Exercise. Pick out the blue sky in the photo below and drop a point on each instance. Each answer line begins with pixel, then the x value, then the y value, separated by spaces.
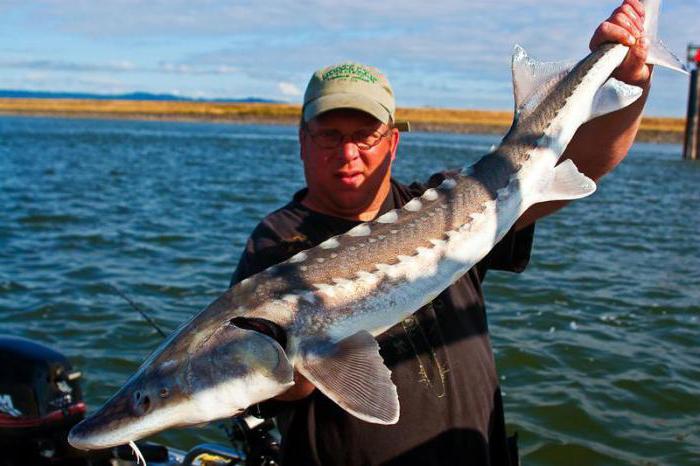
pixel 452 53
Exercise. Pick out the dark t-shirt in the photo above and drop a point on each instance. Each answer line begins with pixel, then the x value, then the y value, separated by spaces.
pixel 440 359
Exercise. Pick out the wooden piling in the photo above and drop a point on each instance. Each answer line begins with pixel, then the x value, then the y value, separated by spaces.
pixel 691 148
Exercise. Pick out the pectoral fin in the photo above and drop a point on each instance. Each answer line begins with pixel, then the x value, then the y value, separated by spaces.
pixel 568 183
pixel 612 96
pixel 353 375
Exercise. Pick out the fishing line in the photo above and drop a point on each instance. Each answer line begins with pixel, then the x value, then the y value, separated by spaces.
pixel 150 321
pixel 137 453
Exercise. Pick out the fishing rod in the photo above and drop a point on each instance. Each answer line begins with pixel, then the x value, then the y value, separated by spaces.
pixel 138 309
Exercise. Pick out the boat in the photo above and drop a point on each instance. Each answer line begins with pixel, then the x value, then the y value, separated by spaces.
pixel 41 399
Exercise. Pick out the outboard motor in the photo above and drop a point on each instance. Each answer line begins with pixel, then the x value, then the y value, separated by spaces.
pixel 40 400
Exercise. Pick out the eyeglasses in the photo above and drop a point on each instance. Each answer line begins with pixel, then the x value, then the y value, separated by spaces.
pixel 364 139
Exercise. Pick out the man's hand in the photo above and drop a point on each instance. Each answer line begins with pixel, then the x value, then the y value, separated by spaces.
pixel 301 389
pixel 626 26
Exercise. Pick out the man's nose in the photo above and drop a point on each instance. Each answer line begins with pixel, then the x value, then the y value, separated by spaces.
pixel 348 151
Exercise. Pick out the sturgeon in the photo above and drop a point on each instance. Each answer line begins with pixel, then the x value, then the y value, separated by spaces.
pixel 330 301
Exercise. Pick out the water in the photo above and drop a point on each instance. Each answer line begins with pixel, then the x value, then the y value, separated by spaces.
pixel 596 344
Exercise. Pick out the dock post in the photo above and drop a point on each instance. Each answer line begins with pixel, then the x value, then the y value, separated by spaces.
pixel 691 148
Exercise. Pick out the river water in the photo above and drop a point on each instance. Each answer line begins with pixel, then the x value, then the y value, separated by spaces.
pixel 596 343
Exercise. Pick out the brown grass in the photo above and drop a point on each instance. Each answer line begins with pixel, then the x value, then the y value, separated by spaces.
pixel 422 119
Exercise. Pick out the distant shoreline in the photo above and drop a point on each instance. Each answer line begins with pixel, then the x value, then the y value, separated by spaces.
pixel 653 129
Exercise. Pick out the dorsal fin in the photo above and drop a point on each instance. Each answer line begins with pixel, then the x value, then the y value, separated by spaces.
pixel 533 80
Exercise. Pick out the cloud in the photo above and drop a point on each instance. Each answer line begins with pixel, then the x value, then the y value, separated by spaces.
pixel 43 81
pixel 289 89
pixel 448 53
pixel 59 65
pixel 225 18
pixel 191 69
pixel 116 67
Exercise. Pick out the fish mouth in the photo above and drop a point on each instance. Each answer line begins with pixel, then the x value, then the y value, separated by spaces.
pixel 96 433
pixel 81 438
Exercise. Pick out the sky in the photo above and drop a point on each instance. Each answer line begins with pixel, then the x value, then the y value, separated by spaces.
pixel 451 53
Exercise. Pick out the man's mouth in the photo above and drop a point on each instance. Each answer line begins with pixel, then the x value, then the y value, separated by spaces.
pixel 349 178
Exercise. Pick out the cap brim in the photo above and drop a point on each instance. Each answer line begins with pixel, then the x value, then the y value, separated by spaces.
pixel 346 100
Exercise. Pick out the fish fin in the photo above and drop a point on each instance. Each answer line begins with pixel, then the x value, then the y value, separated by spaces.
pixel 533 80
pixel 612 96
pixel 568 183
pixel 658 54
pixel 353 375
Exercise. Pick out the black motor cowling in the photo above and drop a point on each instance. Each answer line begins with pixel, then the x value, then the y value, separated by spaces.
pixel 40 400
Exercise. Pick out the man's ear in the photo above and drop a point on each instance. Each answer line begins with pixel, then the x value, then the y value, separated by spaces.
pixel 302 141
pixel 395 137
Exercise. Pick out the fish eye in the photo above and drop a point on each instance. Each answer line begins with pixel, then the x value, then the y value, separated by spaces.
pixel 164 392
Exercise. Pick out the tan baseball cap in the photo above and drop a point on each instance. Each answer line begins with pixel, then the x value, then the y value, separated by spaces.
pixel 350 85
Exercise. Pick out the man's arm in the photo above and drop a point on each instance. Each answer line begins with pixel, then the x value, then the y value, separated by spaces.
pixel 601 144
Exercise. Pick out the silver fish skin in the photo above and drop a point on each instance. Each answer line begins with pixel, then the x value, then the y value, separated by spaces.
pixel 329 301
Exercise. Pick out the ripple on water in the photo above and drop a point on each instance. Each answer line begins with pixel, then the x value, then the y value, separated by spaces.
pixel 9 286
pixel 48 219
pixel 165 239
pixel 87 272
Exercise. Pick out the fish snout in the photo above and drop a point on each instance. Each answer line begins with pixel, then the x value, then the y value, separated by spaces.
pixel 75 437
pixel 83 436
pixel 104 428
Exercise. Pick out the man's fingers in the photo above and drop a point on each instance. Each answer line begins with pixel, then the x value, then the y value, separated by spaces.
pixel 638 53
pixel 610 32
pixel 638 8
pixel 634 69
pixel 635 61
pixel 301 389
pixel 626 26
pixel 633 16
pixel 623 20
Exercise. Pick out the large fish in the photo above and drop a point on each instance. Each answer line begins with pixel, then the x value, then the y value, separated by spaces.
pixel 318 311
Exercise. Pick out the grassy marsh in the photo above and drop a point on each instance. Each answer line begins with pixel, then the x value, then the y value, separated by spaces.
pixel 655 129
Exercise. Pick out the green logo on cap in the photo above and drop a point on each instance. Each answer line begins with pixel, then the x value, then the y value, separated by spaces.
pixel 350 72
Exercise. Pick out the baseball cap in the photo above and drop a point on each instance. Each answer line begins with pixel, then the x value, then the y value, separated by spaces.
pixel 350 85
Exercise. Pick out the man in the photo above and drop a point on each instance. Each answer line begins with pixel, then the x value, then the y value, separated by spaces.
pixel 440 358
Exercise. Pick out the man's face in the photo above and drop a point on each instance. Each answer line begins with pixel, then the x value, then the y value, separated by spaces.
pixel 346 178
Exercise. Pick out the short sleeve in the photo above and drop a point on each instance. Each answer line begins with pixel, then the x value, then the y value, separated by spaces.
pixel 416 188
pixel 262 250
pixel 274 240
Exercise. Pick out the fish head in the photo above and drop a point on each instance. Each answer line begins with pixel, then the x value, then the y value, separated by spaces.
pixel 194 378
